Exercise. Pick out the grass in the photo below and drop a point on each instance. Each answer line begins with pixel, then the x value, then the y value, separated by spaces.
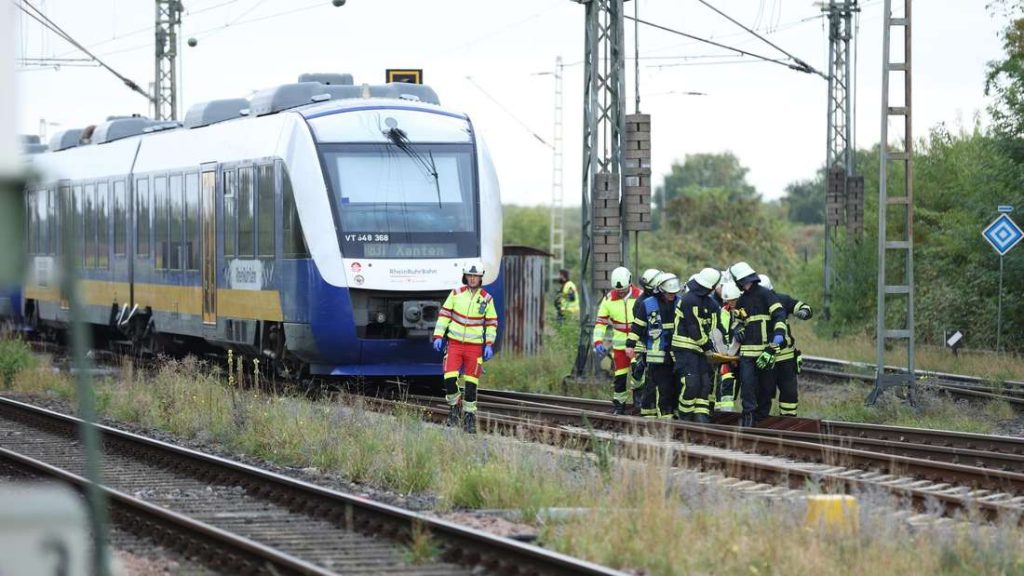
pixel 15 357
pixel 992 366
pixel 642 516
pixel 845 402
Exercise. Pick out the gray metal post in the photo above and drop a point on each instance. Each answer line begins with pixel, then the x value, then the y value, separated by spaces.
pixel 165 88
pixel 603 123
pixel 904 244
pixel 999 309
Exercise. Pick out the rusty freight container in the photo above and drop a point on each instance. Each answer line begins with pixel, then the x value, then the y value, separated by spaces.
pixel 524 275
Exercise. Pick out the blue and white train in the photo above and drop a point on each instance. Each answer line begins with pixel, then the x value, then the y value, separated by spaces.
pixel 319 224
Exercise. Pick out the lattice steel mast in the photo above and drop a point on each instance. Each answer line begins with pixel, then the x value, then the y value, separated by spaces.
pixel 844 197
pixel 165 87
pixel 895 290
pixel 602 243
pixel 557 192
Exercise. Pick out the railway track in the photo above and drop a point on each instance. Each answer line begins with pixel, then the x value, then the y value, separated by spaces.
pixel 241 519
pixel 855 463
pixel 955 385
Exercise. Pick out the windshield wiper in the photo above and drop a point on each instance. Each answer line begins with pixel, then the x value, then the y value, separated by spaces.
pixel 398 137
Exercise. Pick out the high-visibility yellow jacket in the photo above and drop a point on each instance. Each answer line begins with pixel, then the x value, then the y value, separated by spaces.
pixel 468 316
pixel 616 312
pixel 569 301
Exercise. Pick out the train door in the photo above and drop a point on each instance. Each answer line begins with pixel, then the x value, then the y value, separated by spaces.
pixel 208 205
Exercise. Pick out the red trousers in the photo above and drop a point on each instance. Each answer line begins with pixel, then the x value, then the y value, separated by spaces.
pixel 464 358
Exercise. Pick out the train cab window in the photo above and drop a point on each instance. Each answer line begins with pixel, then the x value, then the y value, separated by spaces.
pixel 89 212
pixel 120 212
pixel 190 249
pixel 160 221
pixel 102 225
pixel 294 243
pixel 265 210
pixel 230 215
pixel 246 223
pixel 176 231
pixel 142 217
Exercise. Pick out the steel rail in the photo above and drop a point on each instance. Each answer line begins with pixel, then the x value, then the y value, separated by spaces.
pixel 843 474
pixel 459 544
pixel 999 452
pixel 233 552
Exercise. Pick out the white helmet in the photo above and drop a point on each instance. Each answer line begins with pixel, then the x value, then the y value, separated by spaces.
pixel 730 291
pixel 766 281
pixel 475 268
pixel 668 283
pixel 647 279
pixel 621 278
pixel 742 271
pixel 708 278
pixel 727 276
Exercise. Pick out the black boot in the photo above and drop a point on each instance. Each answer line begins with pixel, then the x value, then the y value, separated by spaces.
pixel 618 408
pixel 747 420
pixel 454 415
pixel 701 419
pixel 469 423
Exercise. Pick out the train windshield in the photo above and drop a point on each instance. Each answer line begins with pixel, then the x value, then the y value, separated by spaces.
pixel 404 200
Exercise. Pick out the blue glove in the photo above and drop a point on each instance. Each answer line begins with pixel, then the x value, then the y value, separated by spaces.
pixel 599 348
pixel 488 352
pixel 777 340
pixel 438 344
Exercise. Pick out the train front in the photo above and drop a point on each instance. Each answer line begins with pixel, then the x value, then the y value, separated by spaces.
pixel 414 198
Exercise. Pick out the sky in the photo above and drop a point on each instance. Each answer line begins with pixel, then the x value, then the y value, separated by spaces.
pixel 494 60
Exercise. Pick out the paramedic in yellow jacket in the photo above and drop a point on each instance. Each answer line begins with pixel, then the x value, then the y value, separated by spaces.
pixel 616 313
pixel 470 324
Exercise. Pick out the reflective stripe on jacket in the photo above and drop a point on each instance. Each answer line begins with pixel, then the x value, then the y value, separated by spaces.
pixel 468 316
pixel 616 312
pixel 653 328
pixel 765 319
pixel 696 317
pixel 570 301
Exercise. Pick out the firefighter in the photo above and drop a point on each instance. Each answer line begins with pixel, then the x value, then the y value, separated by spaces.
pixel 696 316
pixel 469 323
pixel 726 339
pixel 653 327
pixel 616 313
pixel 567 301
pixel 788 361
pixel 638 362
pixel 763 336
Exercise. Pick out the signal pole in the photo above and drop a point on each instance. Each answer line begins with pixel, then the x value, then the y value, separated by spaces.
pixel 844 193
pixel 602 244
pixel 165 88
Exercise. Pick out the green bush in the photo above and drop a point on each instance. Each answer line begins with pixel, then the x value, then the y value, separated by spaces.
pixel 15 356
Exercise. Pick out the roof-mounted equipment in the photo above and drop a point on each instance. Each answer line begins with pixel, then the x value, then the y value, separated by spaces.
pixel 214 111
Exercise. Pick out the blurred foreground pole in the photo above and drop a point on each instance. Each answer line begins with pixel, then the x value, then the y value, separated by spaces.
pixel 12 238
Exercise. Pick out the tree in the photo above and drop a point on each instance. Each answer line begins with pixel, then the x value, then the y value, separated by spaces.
pixel 1005 78
pixel 701 173
pixel 805 201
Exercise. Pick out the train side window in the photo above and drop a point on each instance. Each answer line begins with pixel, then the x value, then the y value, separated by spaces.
pixel 89 213
pixel 246 223
pixel 51 218
pixel 120 212
pixel 142 217
pixel 191 246
pixel 31 236
pixel 294 242
pixel 102 225
pixel 177 229
pixel 78 226
pixel 230 215
pixel 265 212
pixel 160 221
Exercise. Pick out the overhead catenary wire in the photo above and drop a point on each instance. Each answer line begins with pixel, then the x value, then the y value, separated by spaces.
pixel 509 112
pixel 49 24
pixel 778 61
pixel 806 67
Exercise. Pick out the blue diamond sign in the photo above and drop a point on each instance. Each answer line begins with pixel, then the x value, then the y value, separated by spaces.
pixel 1003 234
